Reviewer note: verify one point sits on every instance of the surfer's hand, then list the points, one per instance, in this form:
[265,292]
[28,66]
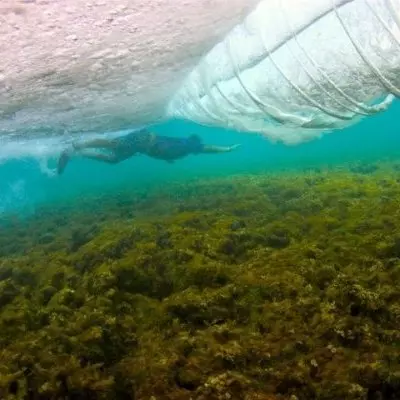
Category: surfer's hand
[234,147]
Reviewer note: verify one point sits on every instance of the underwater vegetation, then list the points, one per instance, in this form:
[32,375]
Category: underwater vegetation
[265,287]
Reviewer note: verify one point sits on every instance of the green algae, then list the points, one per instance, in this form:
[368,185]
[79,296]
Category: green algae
[265,287]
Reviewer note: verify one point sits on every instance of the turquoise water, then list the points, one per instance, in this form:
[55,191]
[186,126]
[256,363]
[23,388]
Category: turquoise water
[24,185]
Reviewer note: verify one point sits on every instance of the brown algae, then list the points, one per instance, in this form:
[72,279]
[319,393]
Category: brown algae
[280,286]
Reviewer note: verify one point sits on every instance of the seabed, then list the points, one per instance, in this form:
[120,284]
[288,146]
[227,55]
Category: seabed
[257,287]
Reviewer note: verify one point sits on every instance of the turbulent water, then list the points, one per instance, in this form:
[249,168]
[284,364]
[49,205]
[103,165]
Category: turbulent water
[81,66]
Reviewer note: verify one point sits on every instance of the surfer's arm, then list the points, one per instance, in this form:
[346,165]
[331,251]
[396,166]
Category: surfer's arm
[219,149]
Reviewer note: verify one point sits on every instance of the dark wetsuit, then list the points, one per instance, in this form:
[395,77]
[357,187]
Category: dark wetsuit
[161,147]
[118,149]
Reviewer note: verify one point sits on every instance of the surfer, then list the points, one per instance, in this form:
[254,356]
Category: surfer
[115,150]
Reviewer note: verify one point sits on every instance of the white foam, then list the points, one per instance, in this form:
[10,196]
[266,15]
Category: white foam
[30,148]
[95,65]
[45,148]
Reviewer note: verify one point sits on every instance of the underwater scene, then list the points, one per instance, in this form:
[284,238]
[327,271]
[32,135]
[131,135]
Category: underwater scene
[271,272]
[200,205]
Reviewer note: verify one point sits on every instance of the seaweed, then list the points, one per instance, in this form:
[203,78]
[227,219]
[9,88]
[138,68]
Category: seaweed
[271,286]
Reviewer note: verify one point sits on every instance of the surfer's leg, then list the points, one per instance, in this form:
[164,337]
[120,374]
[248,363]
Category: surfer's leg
[95,143]
[114,152]
[63,161]
[109,158]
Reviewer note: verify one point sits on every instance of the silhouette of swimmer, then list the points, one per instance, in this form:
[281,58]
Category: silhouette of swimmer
[115,150]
